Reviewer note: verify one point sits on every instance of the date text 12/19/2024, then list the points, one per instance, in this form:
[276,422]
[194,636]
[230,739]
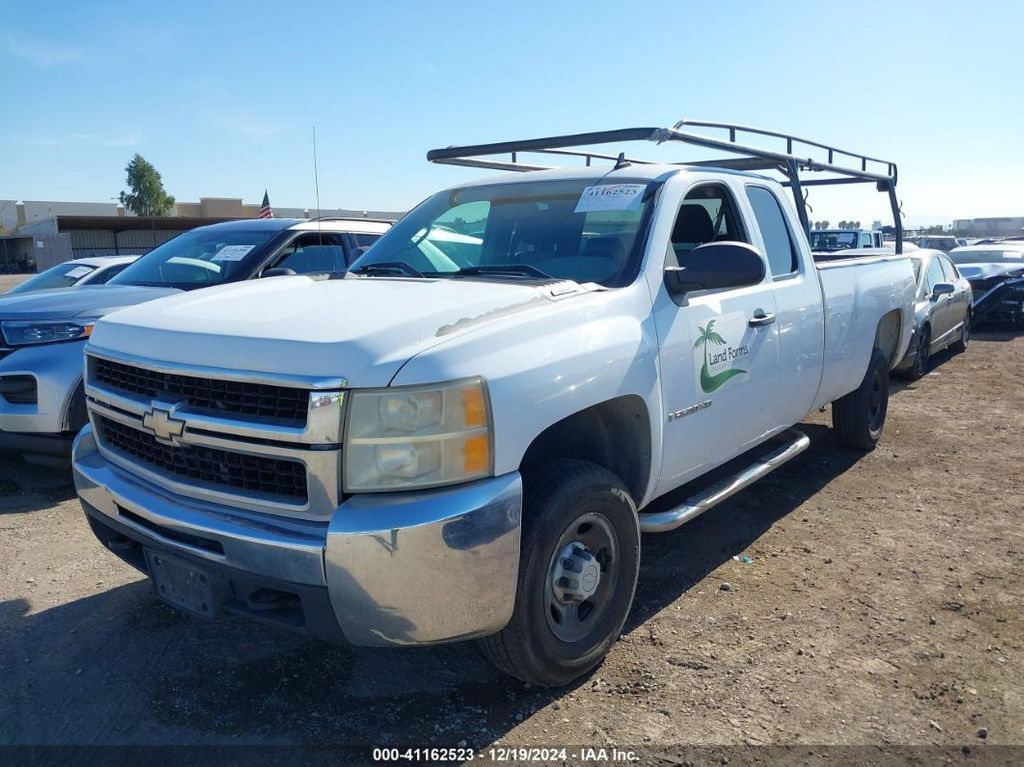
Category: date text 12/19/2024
[509,754]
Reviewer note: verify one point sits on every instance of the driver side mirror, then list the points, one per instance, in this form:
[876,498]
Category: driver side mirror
[715,266]
[943,289]
[279,271]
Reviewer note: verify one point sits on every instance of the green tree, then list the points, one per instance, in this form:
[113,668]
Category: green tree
[148,196]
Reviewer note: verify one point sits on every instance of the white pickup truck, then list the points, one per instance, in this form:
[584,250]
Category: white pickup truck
[460,442]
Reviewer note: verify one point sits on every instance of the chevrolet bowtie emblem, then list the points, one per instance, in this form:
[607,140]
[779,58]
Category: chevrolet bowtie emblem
[164,426]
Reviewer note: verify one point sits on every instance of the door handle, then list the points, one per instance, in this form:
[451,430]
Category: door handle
[760,319]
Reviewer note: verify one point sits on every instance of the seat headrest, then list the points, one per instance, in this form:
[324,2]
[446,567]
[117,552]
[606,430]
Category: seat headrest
[693,225]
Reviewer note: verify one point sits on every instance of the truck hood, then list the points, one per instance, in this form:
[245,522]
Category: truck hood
[86,302]
[360,329]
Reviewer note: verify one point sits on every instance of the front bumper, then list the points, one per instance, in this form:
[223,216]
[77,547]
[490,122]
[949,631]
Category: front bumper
[388,569]
[57,369]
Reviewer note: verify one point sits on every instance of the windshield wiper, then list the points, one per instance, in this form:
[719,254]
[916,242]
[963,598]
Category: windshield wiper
[387,267]
[523,270]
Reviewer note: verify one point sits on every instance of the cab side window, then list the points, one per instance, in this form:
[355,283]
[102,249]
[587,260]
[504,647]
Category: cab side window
[780,250]
[708,214]
[313,252]
[110,273]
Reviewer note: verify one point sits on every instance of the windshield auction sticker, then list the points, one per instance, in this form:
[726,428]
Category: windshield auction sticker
[611,197]
[78,271]
[232,252]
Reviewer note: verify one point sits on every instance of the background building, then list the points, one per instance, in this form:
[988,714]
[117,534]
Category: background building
[1007,226]
[43,233]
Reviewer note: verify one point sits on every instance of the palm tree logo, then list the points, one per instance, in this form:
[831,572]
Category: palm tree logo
[708,382]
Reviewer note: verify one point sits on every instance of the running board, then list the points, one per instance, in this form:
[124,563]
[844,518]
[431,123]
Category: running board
[663,521]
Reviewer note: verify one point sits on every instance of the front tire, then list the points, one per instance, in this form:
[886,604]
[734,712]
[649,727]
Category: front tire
[577,574]
[859,417]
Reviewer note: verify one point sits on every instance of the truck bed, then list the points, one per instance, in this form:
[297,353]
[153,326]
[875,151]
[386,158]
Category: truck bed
[857,293]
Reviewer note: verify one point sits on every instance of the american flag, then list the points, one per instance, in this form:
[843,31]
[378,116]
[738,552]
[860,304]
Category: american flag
[265,210]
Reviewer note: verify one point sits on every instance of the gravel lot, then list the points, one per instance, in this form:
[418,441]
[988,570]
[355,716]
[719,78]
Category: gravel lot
[8,281]
[844,600]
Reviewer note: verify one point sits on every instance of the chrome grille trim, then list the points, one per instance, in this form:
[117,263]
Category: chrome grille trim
[317,445]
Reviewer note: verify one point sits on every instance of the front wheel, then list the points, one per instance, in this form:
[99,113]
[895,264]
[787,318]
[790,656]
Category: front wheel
[859,417]
[577,574]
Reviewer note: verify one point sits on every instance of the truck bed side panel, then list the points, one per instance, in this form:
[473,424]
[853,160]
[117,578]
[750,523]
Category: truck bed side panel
[857,293]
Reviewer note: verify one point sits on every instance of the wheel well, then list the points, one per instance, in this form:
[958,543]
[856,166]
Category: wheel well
[75,414]
[887,335]
[615,434]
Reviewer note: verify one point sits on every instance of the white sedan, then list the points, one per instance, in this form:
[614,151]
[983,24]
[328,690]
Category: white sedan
[71,274]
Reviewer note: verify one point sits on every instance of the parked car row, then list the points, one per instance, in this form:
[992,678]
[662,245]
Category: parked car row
[996,275]
[459,433]
[42,395]
[942,311]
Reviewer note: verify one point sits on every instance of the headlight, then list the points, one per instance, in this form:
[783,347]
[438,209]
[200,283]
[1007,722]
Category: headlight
[26,333]
[416,437]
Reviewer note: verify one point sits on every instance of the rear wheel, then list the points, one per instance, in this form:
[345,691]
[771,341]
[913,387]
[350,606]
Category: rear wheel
[859,417]
[960,345]
[577,574]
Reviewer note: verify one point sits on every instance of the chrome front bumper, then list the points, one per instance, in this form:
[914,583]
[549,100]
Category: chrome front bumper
[393,568]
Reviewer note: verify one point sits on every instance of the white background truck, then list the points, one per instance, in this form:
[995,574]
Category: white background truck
[460,442]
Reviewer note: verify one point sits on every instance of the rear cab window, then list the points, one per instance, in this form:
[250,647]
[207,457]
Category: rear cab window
[779,245]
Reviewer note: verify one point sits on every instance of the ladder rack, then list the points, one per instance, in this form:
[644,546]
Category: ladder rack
[836,163]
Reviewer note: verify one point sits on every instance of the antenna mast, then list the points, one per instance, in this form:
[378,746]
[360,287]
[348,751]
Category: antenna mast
[316,182]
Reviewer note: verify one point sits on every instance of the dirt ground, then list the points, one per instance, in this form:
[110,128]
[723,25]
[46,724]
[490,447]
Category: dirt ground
[847,599]
[8,281]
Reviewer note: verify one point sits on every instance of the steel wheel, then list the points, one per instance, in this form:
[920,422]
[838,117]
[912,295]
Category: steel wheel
[582,577]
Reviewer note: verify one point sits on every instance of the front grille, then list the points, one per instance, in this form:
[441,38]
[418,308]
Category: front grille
[239,397]
[272,476]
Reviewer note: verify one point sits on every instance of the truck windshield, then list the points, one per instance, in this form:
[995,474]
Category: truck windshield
[197,259]
[824,240]
[587,230]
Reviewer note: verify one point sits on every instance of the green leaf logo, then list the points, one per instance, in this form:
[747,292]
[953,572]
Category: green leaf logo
[708,382]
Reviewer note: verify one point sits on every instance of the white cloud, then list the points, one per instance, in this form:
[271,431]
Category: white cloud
[134,138]
[41,53]
[248,125]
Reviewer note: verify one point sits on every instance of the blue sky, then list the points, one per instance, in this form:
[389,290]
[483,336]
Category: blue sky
[220,96]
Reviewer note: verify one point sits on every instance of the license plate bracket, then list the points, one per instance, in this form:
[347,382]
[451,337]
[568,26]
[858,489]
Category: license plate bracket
[181,584]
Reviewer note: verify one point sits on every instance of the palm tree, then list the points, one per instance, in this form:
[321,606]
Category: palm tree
[709,382]
[708,336]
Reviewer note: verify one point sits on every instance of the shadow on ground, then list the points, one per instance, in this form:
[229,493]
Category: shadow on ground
[28,487]
[120,667]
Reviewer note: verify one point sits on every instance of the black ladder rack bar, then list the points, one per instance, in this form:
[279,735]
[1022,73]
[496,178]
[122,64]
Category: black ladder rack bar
[787,163]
